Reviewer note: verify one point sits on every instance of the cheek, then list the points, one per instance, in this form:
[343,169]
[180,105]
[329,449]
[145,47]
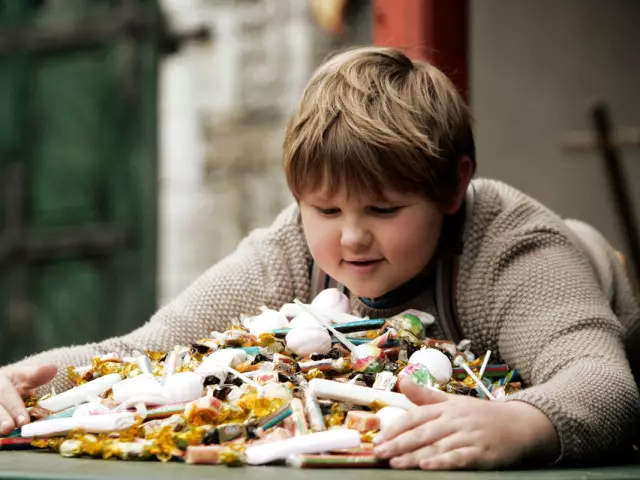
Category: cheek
[321,238]
[412,240]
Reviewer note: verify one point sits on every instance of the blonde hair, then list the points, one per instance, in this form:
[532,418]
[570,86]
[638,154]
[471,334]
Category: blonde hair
[371,118]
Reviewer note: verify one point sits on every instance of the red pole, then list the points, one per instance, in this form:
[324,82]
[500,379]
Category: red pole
[433,30]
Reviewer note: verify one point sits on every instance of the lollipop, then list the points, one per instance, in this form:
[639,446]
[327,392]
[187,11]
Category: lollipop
[408,322]
[436,362]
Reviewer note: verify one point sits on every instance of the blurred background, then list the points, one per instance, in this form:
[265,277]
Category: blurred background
[140,140]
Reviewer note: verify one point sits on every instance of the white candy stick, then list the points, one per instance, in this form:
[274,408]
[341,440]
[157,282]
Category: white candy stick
[311,443]
[244,378]
[336,316]
[478,382]
[79,394]
[90,424]
[324,322]
[484,364]
[356,394]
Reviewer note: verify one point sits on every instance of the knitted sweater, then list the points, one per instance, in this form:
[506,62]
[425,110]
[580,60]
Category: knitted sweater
[525,290]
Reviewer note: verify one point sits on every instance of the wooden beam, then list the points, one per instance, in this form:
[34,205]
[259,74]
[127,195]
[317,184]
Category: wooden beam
[432,30]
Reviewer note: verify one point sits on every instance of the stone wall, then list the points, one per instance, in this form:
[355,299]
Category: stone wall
[223,108]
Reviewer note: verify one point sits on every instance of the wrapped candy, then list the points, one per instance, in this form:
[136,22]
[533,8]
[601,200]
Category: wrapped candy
[367,358]
[437,364]
[362,421]
[203,411]
[408,322]
[243,390]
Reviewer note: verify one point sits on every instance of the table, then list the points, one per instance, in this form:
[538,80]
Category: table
[46,465]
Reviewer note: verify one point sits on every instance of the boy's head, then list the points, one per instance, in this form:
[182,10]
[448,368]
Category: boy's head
[379,149]
[371,118]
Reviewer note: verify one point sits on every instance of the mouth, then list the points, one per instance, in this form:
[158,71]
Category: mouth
[363,263]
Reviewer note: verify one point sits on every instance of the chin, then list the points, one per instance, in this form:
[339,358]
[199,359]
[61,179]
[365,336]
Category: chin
[367,291]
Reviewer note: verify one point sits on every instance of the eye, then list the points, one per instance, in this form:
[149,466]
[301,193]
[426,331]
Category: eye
[328,212]
[384,211]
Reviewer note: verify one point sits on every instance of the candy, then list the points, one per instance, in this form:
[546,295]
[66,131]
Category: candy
[238,391]
[367,358]
[203,411]
[205,454]
[332,299]
[215,364]
[79,394]
[275,418]
[274,435]
[436,362]
[385,381]
[306,321]
[303,342]
[362,421]
[356,394]
[298,419]
[312,443]
[408,322]
[284,364]
[266,322]
[93,424]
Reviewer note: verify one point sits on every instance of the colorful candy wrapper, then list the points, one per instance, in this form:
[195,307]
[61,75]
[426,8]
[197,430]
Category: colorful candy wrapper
[207,454]
[367,358]
[274,435]
[274,419]
[385,381]
[203,411]
[298,419]
[316,419]
[362,421]
[388,338]
[419,374]
[284,364]
[408,322]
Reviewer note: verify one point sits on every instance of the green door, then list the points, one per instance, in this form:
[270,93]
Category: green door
[77,170]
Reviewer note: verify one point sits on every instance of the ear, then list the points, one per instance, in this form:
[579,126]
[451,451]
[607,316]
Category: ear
[465,172]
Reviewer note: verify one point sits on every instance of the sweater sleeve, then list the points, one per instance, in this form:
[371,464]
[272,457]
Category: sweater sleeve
[269,267]
[554,324]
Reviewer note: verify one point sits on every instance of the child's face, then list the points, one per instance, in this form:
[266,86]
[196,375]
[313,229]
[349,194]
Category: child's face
[368,245]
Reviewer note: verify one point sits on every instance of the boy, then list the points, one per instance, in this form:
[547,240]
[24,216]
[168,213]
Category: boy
[379,156]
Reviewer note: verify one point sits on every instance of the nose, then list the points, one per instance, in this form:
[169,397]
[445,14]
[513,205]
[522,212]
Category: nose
[355,237]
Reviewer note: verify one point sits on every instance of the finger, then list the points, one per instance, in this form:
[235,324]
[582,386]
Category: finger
[421,395]
[12,405]
[422,436]
[7,424]
[413,418]
[28,378]
[412,459]
[457,459]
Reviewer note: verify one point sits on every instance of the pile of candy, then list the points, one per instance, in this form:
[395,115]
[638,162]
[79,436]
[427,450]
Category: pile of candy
[311,385]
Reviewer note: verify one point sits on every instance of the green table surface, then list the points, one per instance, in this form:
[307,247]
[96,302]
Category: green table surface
[45,465]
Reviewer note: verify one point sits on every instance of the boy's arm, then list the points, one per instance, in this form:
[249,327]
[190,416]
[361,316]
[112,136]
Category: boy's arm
[269,267]
[556,327]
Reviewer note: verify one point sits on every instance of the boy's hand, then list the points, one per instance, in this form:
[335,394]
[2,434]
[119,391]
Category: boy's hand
[16,382]
[446,432]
